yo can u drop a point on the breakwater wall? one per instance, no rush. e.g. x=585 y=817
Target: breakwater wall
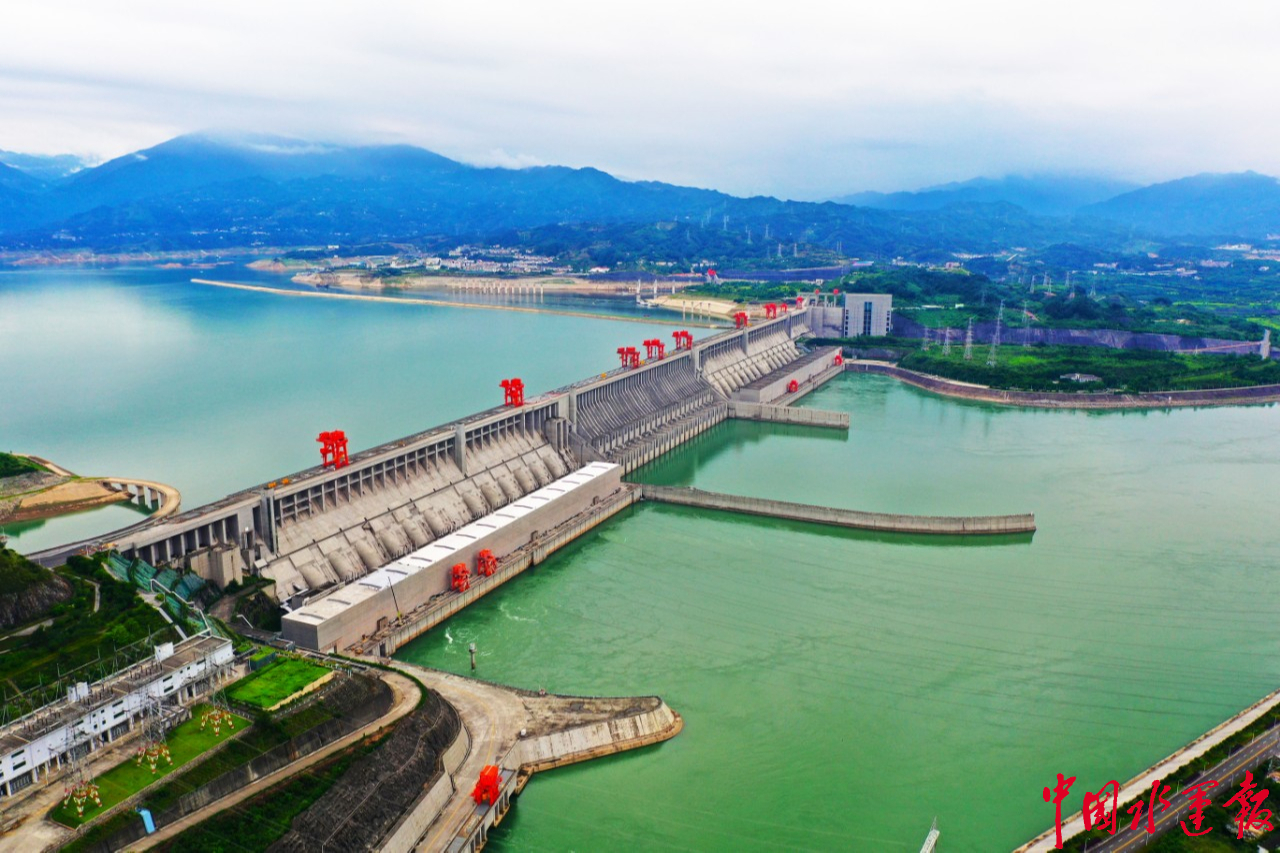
x=788 y=415
x=1051 y=400
x=647 y=725
x=886 y=522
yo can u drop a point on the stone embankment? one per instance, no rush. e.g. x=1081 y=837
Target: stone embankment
x=978 y=525
x=1051 y=400
x=522 y=732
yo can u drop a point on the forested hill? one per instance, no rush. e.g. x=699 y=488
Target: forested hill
x=210 y=192
x=207 y=192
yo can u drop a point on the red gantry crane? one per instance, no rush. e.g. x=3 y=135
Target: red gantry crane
x=513 y=392
x=333 y=449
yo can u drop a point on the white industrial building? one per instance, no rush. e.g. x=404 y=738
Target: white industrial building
x=94 y=715
x=868 y=314
x=342 y=617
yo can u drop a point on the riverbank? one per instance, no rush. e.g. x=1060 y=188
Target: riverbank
x=55 y=491
x=46 y=490
x=1059 y=400
x=447 y=303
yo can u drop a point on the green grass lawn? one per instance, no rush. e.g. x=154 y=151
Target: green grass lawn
x=186 y=742
x=276 y=682
x=12 y=466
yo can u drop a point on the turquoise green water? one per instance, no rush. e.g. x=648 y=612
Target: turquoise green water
x=140 y=373
x=841 y=689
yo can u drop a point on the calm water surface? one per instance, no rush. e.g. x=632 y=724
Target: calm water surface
x=839 y=689
x=140 y=373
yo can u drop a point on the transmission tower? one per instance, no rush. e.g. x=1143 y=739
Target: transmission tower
x=218 y=714
x=995 y=339
x=924 y=342
x=968 y=342
x=80 y=787
x=1026 y=325
x=946 y=341
x=153 y=748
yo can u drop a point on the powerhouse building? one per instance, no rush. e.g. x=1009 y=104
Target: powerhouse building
x=94 y=715
x=349 y=613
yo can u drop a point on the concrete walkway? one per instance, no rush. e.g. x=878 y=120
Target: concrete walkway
x=493 y=718
x=171 y=498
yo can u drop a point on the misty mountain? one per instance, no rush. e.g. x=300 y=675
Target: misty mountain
x=1240 y=204
x=18 y=197
x=44 y=167
x=204 y=191
x=1046 y=195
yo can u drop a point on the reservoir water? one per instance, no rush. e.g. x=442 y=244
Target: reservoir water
x=839 y=689
x=140 y=373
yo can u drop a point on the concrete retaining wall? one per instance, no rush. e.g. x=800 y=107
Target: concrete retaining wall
x=788 y=415
x=1051 y=400
x=951 y=525
x=596 y=739
x=427 y=809
x=426 y=618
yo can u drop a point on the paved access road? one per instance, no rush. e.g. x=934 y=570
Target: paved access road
x=1224 y=774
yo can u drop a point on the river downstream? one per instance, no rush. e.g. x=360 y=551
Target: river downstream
x=839 y=689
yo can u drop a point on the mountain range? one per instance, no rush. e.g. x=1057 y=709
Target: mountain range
x=1046 y=195
x=207 y=191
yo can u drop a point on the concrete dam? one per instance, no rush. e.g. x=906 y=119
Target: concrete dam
x=377 y=551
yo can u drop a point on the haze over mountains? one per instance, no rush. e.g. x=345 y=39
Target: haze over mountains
x=1046 y=195
x=203 y=191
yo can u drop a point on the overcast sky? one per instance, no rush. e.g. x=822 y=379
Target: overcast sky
x=798 y=99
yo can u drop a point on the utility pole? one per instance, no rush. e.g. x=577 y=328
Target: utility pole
x=995 y=339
